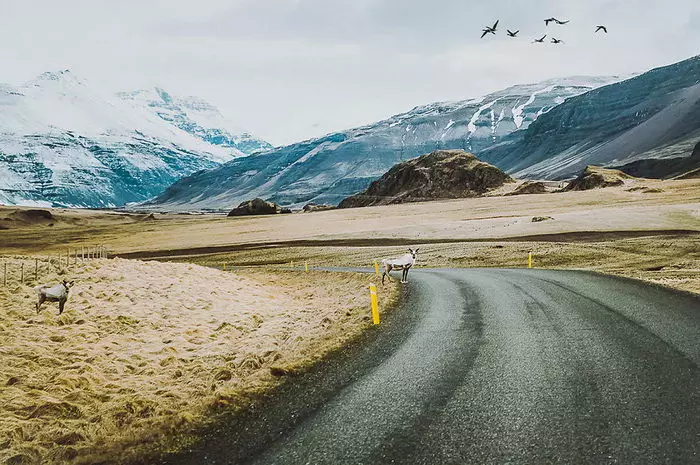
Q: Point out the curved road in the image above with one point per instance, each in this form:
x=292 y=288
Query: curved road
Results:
x=496 y=366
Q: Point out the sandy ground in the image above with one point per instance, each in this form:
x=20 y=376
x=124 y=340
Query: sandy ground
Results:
x=147 y=348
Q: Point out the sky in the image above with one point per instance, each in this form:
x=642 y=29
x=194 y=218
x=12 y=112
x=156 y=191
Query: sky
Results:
x=288 y=70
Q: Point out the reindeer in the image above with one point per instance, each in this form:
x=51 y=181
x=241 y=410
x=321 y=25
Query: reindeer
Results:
x=57 y=293
x=402 y=263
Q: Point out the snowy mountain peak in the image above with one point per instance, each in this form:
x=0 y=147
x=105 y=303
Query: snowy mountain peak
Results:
x=64 y=77
x=65 y=143
x=196 y=117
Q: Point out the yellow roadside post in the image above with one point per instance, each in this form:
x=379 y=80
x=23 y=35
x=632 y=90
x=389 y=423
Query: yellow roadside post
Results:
x=376 y=268
x=224 y=266
x=306 y=266
x=529 y=260
x=375 y=305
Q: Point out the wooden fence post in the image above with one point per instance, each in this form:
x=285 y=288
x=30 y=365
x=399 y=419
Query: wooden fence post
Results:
x=21 y=275
x=4 y=279
x=36 y=271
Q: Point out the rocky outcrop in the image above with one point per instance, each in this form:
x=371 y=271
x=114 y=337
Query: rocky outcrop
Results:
x=442 y=174
x=530 y=187
x=312 y=207
x=595 y=177
x=256 y=206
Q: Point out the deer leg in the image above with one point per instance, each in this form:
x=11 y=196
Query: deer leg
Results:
x=42 y=299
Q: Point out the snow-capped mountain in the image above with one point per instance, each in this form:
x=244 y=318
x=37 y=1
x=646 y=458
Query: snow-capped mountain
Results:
x=63 y=143
x=330 y=168
x=647 y=125
x=197 y=117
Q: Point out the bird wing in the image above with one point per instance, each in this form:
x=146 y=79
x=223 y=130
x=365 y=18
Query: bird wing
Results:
x=486 y=31
x=516 y=32
x=543 y=37
x=495 y=25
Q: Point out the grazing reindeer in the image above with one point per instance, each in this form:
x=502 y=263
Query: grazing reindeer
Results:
x=402 y=263
x=57 y=293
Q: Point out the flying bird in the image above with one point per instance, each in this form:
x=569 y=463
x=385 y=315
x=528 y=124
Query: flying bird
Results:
x=602 y=28
x=550 y=20
x=556 y=41
x=490 y=30
x=562 y=22
x=511 y=33
x=540 y=40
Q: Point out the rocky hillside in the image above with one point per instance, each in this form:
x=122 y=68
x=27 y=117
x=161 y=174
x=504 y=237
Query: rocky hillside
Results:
x=595 y=177
x=643 y=123
x=328 y=169
x=442 y=174
x=65 y=143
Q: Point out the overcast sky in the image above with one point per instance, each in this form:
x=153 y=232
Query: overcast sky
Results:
x=292 y=69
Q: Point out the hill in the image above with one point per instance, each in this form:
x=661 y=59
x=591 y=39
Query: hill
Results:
x=442 y=174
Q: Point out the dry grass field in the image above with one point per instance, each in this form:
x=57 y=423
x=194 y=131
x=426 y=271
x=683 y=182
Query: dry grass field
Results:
x=146 y=351
x=663 y=205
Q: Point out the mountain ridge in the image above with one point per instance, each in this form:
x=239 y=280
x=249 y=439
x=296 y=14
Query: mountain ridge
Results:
x=328 y=169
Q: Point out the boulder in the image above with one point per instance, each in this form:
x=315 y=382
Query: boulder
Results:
x=256 y=206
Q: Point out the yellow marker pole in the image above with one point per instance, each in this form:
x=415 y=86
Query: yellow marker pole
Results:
x=375 y=305
x=224 y=266
x=306 y=267
x=376 y=268
x=529 y=260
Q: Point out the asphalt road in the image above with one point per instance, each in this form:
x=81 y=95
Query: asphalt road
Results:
x=494 y=366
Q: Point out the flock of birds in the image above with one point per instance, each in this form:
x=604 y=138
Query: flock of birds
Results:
x=492 y=30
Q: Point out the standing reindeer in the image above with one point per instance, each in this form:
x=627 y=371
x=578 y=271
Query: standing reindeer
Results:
x=57 y=293
x=402 y=263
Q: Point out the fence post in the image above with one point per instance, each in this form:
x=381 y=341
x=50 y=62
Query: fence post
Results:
x=529 y=260
x=21 y=273
x=36 y=270
x=4 y=279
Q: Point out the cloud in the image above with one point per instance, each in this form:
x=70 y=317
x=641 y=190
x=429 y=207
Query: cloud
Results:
x=291 y=69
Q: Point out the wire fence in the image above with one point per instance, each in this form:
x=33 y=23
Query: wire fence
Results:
x=31 y=270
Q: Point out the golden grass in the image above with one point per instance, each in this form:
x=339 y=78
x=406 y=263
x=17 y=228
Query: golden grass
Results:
x=146 y=351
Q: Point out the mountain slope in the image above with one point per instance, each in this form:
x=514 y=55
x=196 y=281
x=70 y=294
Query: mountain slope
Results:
x=653 y=116
x=63 y=143
x=197 y=117
x=330 y=168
